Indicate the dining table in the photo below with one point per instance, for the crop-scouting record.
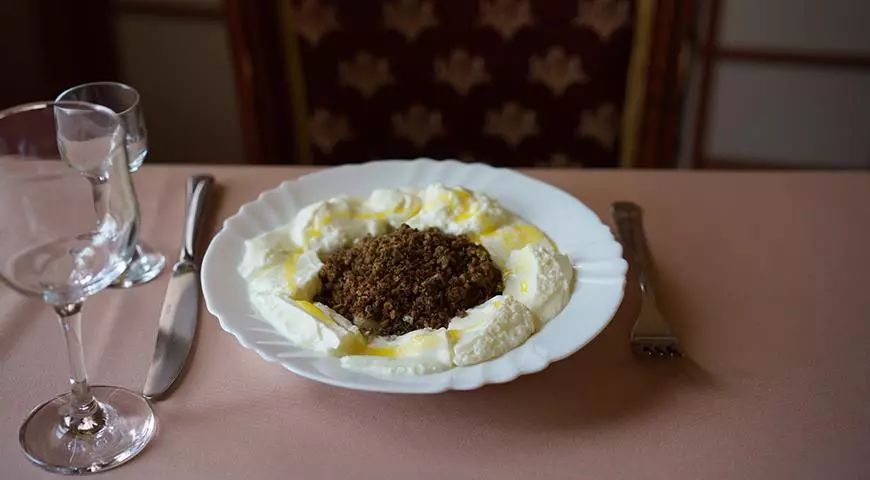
(763, 276)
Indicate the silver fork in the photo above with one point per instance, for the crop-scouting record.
(651, 335)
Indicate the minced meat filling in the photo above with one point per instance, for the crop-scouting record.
(408, 279)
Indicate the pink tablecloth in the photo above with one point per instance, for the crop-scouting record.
(764, 277)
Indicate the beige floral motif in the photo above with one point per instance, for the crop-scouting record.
(506, 17)
(602, 16)
(462, 71)
(600, 125)
(557, 70)
(513, 123)
(327, 130)
(366, 73)
(559, 160)
(418, 124)
(409, 17)
(313, 21)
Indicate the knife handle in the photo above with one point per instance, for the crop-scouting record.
(197, 189)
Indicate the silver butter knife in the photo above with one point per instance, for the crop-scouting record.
(180, 311)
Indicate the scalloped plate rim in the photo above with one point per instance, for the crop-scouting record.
(221, 310)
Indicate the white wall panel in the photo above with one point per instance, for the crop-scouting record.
(182, 69)
(842, 25)
(795, 115)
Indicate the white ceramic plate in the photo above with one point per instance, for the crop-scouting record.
(574, 228)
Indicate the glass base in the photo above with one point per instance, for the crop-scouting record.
(146, 266)
(128, 425)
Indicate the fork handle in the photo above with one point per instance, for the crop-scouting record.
(628, 217)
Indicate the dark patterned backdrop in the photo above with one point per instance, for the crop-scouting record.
(507, 82)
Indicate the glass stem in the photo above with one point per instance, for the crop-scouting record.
(84, 415)
(100, 191)
(137, 252)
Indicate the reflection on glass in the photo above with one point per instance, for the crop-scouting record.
(67, 230)
(124, 100)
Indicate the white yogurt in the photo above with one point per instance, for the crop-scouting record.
(282, 267)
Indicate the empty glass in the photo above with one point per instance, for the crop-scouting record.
(68, 221)
(124, 100)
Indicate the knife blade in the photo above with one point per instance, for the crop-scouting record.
(178, 318)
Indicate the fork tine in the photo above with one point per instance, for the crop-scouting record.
(657, 349)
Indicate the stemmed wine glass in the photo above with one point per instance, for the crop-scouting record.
(124, 100)
(67, 230)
